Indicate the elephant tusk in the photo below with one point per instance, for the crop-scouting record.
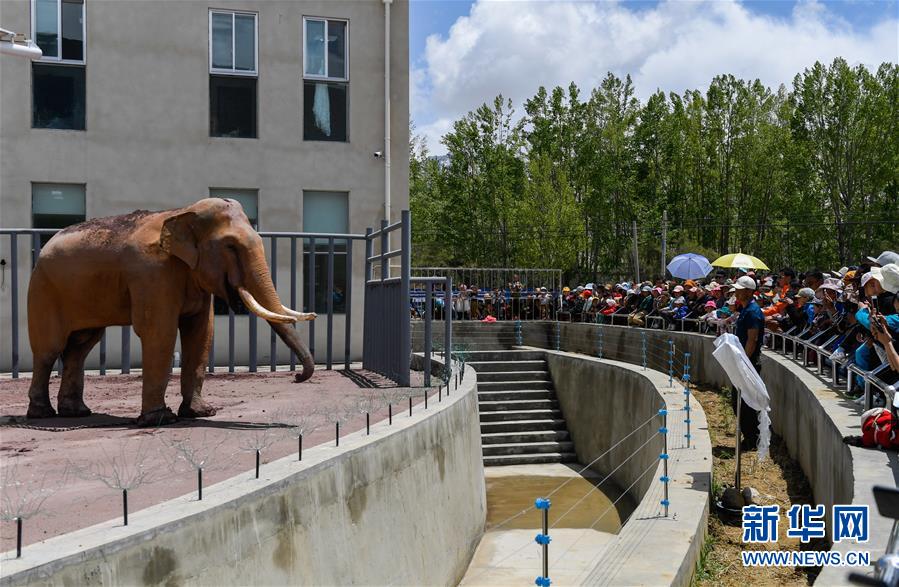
(260, 310)
(299, 315)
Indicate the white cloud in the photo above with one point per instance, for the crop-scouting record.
(513, 47)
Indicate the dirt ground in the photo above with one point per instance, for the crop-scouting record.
(50, 459)
(779, 480)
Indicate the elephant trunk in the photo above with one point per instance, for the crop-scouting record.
(259, 283)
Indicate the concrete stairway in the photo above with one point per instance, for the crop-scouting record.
(520, 418)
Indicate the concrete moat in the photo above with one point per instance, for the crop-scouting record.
(508, 555)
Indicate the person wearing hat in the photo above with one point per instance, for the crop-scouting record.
(888, 337)
(885, 258)
(749, 330)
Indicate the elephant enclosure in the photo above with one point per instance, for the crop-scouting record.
(56, 454)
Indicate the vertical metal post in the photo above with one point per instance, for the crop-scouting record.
(252, 335)
(543, 539)
(257, 463)
(125, 505)
(230, 340)
(664, 457)
(737, 452)
(14, 316)
(687, 409)
(210, 364)
(643, 347)
(348, 305)
(330, 305)
(103, 353)
(386, 351)
(35, 247)
(310, 290)
(429, 290)
(337, 433)
(636, 254)
(448, 328)
(293, 291)
(126, 350)
(664, 243)
(272, 344)
(199, 484)
(404, 317)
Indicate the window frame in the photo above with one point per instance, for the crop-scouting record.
(233, 71)
(346, 51)
(58, 65)
(58, 59)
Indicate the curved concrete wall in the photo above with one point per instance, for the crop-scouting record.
(611, 409)
(810, 417)
(406, 505)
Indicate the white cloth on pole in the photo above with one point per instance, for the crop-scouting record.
(730, 355)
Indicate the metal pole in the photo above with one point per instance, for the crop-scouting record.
(14, 316)
(273, 344)
(125, 505)
(199, 484)
(543, 504)
(293, 291)
(257, 463)
(404, 317)
(230, 340)
(348, 304)
(18, 533)
(670, 363)
(664, 456)
(126, 350)
(337, 433)
(300, 448)
(310, 288)
(636, 254)
(687, 407)
(330, 305)
(367, 424)
(737, 449)
(664, 242)
(448, 328)
(427, 342)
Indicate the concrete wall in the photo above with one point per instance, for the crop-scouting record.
(811, 418)
(147, 143)
(610, 404)
(404, 506)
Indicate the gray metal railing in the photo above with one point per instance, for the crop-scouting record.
(387, 330)
(813, 344)
(316, 248)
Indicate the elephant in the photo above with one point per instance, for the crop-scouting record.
(158, 272)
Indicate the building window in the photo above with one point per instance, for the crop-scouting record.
(249, 200)
(325, 212)
(325, 79)
(58, 96)
(58, 90)
(56, 205)
(233, 69)
(58, 28)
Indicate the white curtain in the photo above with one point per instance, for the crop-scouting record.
(321, 109)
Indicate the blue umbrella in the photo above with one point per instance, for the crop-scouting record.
(689, 266)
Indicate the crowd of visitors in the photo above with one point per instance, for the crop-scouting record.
(850, 314)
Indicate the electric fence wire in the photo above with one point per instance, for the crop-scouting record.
(570, 479)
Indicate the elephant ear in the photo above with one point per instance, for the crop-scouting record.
(177, 238)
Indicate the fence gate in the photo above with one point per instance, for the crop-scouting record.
(387, 335)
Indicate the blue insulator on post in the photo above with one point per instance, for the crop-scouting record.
(542, 539)
(541, 503)
(543, 582)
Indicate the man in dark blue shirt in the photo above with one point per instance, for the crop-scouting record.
(750, 328)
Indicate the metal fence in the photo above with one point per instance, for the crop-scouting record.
(387, 334)
(319, 268)
(478, 292)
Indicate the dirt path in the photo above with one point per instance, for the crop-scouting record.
(778, 479)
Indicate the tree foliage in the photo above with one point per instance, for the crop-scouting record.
(806, 176)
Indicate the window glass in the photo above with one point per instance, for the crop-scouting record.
(222, 29)
(232, 106)
(315, 47)
(245, 42)
(325, 212)
(336, 49)
(73, 29)
(46, 26)
(56, 205)
(58, 96)
(324, 111)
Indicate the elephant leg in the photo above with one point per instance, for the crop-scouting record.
(70, 401)
(157, 335)
(39, 391)
(196, 337)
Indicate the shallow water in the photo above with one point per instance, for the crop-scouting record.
(509, 495)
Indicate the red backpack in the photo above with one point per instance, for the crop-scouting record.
(879, 429)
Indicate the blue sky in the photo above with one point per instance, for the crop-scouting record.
(462, 53)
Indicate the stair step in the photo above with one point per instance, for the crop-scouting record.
(492, 461)
(535, 424)
(528, 448)
(521, 415)
(517, 405)
(503, 355)
(536, 436)
(507, 366)
(497, 396)
(513, 385)
(514, 376)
